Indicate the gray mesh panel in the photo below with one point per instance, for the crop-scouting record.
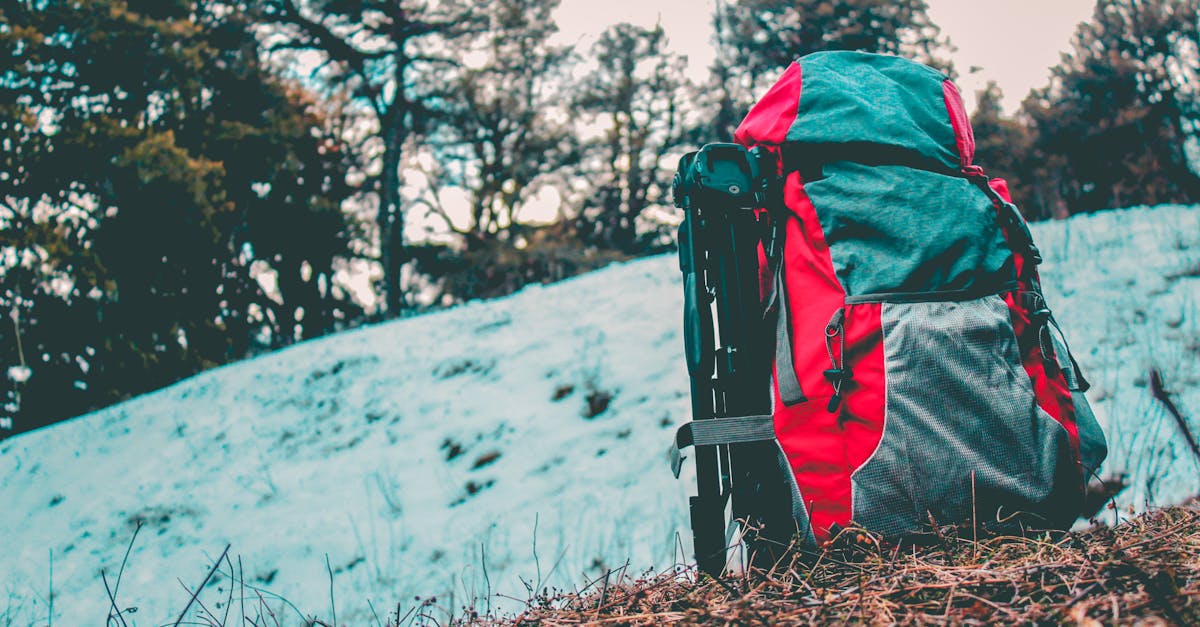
(958, 400)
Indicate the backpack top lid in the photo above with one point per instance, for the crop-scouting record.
(861, 105)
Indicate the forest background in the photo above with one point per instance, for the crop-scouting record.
(186, 183)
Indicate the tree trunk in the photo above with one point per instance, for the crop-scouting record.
(390, 218)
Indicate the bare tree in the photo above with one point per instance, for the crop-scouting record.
(508, 131)
(638, 91)
(388, 55)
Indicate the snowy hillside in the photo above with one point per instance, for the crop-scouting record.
(1126, 287)
(474, 451)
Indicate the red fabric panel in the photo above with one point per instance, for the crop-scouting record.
(764, 273)
(771, 117)
(963, 135)
(811, 436)
(1051, 393)
(862, 410)
(1001, 187)
(814, 290)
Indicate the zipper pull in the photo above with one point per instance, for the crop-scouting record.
(838, 374)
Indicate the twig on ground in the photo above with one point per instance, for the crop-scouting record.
(50, 617)
(211, 572)
(1164, 397)
(332, 607)
(112, 599)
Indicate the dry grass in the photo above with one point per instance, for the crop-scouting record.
(1145, 571)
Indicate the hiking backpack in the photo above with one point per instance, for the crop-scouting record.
(883, 354)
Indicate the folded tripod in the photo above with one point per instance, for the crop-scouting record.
(731, 202)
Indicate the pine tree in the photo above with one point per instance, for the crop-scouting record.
(1112, 125)
(1002, 146)
(157, 173)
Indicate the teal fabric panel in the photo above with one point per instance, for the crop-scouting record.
(899, 229)
(860, 99)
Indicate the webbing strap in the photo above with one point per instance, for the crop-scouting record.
(789, 384)
(1020, 237)
(714, 431)
(941, 296)
(1073, 375)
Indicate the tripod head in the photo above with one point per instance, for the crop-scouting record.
(720, 175)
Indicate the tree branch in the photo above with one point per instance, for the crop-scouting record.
(315, 35)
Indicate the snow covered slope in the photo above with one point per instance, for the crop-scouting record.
(496, 445)
(1126, 287)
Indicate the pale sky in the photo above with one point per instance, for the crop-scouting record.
(1014, 42)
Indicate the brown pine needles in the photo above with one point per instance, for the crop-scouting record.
(1145, 571)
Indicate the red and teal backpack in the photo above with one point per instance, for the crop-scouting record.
(918, 373)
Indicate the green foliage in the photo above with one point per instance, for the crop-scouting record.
(539, 254)
(766, 35)
(1110, 128)
(156, 173)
